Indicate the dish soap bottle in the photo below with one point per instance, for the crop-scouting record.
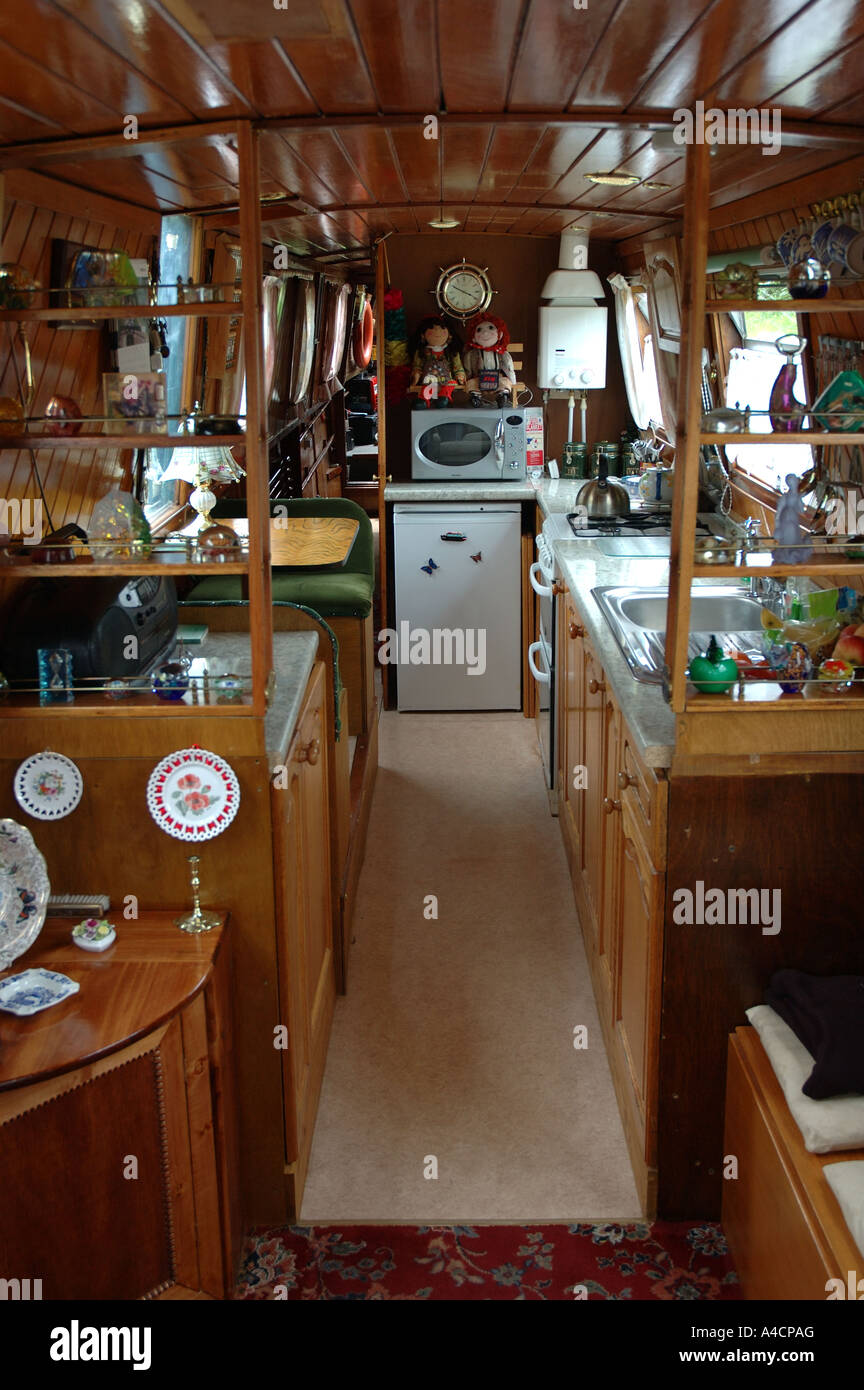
(713, 673)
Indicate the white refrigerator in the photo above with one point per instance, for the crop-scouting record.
(457, 644)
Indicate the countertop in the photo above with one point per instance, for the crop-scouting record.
(521, 491)
(293, 658)
(646, 712)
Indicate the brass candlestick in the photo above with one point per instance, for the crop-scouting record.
(197, 921)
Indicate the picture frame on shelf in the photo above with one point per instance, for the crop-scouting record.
(134, 402)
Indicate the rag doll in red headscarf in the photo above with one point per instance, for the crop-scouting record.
(487, 362)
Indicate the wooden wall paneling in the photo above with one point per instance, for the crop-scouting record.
(93, 851)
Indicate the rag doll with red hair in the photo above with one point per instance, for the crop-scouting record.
(487, 362)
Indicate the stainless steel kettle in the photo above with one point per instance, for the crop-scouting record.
(602, 498)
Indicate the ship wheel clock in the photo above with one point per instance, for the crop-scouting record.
(463, 290)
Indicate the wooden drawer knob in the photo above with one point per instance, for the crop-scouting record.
(595, 685)
(609, 805)
(310, 754)
(625, 780)
(575, 630)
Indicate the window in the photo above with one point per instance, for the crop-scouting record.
(175, 252)
(753, 370)
(637, 353)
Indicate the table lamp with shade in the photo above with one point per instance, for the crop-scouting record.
(203, 465)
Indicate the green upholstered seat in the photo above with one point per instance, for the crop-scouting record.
(334, 593)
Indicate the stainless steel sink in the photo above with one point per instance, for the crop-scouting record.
(637, 618)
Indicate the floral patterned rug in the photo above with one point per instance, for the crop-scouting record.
(640, 1261)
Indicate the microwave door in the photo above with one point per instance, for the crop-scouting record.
(455, 444)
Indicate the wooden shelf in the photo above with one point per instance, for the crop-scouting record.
(771, 571)
(828, 305)
(792, 437)
(24, 706)
(120, 441)
(88, 568)
(122, 311)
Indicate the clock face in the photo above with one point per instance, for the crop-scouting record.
(463, 290)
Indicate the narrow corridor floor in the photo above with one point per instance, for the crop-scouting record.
(453, 1091)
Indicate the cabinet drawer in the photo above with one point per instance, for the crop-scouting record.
(648, 799)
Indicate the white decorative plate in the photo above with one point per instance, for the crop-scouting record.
(48, 786)
(34, 990)
(193, 794)
(24, 891)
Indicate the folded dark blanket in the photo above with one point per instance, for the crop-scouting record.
(827, 1015)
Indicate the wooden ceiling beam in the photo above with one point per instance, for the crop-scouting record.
(278, 212)
(114, 143)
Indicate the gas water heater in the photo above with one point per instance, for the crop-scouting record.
(572, 334)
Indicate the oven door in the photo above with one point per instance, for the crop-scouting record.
(463, 445)
(540, 664)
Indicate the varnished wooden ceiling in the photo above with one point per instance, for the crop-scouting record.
(530, 96)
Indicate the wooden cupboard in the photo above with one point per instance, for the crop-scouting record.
(137, 1069)
(669, 994)
(304, 914)
(617, 884)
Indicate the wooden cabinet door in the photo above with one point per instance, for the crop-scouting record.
(307, 980)
(637, 969)
(607, 926)
(571, 753)
(594, 758)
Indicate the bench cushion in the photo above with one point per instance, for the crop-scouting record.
(333, 595)
(825, 1125)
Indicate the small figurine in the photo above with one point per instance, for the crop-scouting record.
(488, 363)
(436, 366)
(788, 530)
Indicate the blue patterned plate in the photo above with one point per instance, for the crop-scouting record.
(34, 990)
(24, 891)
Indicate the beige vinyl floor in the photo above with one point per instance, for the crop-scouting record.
(454, 1042)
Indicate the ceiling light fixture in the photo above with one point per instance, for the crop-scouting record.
(614, 180)
(442, 223)
(660, 186)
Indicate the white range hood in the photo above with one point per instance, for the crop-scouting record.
(573, 282)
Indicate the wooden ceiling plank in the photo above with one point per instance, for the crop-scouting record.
(61, 197)
(372, 156)
(398, 39)
(320, 151)
(334, 69)
(808, 39)
(839, 79)
(478, 45)
(149, 41)
(463, 157)
(714, 47)
(557, 43)
(639, 36)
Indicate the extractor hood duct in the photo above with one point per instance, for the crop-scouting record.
(572, 328)
(573, 282)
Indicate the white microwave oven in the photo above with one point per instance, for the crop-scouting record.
(469, 443)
